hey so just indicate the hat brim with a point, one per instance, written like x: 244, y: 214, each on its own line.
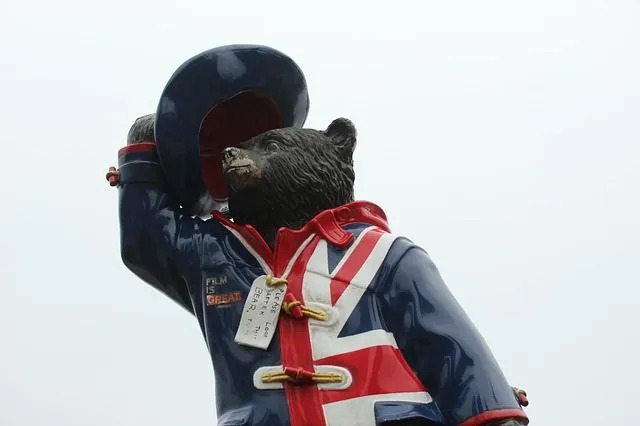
x: 217, y: 99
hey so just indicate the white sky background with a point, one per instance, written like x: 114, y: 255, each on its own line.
x: 501, y: 136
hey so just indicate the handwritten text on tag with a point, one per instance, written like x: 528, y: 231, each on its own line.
x: 260, y: 314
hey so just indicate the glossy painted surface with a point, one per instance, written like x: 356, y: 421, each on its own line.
x: 205, y: 81
x: 439, y: 341
x: 391, y: 323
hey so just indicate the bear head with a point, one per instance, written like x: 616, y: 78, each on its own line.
x: 285, y: 177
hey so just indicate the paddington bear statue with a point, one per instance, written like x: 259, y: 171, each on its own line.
x: 313, y: 311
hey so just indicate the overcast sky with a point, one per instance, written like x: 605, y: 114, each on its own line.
x: 500, y: 136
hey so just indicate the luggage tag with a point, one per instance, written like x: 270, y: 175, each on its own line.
x: 260, y: 313
x: 262, y: 308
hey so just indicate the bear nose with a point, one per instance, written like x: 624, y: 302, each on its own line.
x: 229, y: 154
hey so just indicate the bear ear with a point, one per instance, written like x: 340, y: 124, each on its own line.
x: 343, y: 133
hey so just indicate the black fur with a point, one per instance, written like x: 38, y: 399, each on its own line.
x: 305, y: 172
x: 142, y: 130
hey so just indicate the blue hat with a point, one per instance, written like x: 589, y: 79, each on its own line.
x: 218, y: 99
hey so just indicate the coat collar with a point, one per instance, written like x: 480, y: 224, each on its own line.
x: 328, y: 225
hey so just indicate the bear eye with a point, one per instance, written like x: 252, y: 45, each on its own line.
x: 272, y: 146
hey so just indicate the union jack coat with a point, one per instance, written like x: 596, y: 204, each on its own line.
x: 370, y: 333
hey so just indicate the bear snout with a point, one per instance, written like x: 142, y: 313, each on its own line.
x: 234, y: 157
x: 240, y: 170
x: 229, y: 154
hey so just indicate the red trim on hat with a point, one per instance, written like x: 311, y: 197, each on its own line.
x: 137, y: 147
x: 229, y: 123
x: 493, y: 415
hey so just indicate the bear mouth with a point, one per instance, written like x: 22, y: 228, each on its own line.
x: 236, y: 168
x: 241, y: 173
x: 236, y: 165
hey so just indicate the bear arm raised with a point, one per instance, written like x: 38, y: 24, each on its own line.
x: 157, y: 241
x: 441, y: 344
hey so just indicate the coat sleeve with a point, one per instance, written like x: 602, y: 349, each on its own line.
x: 441, y: 344
x: 157, y: 242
